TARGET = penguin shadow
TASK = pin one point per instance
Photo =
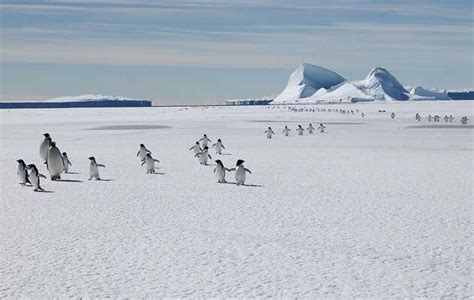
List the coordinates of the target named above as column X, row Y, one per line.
column 68, row 180
column 225, row 154
column 104, row 180
column 157, row 173
column 44, row 191
column 246, row 185
column 73, row 173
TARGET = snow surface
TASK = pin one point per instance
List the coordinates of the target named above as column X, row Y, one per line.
column 373, row 208
column 306, row 80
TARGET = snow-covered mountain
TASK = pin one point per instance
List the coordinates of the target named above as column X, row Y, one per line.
column 306, row 80
column 309, row 83
column 90, row 97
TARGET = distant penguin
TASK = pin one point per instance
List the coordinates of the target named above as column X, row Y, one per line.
column 204, row 156
column 204, row 140
column 66, row 163
column 150, row 163
column 310, row 128
column 300, row 130
column 142, row 152
column 54, row 162
column 94, row 168
column 196, row 148
column 269, row 132
column 286, row 131
column 35, row 178
column 321, row 128
column 44, row 146
column 219, row 170
column 22, row 172
column 240, row 172
column 219, row 146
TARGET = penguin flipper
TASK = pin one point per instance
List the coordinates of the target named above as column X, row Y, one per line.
column 223, row 147
column 69, row 162
column 101, row 165
column 143, row 162
column 231, row 170
column 248, row 170
column 156, row 160
column 41, row 175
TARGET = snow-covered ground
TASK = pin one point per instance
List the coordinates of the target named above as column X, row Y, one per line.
column 375, row 207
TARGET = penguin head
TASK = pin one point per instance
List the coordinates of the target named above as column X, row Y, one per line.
column 219, row 140
column 53, row 144
column 46, row 135
column 197, row 143
column 219, row 163
column 239, row 162
column 31, row 167
column 64, row 153
column 92, row 158
column 21, row 162
column 49, row 139
column 205, row 135
column 269, row 127
column 142, row 146
column 205, row 148
column 148, row 155
column 299, row 126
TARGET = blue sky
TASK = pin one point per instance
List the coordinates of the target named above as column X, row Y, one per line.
column 204, row 51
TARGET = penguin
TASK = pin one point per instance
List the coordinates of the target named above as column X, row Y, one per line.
column 44, row 146
column 142, row 152
column 286, row 131
column 150, row 163
column 54, row 162
column 269, row 133
column 310, row 128
column 66, row 163
column 300, row 130
column 35, row 178
column 22, row 172
column 204, row 141
column 219, row 170
column 94, row 168
column 321, row 128
column 219, row 146
column 240, row 172
column 204, row 156
column 196, row 148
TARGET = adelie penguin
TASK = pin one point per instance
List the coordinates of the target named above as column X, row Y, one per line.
column 219, row 170
column 196, row 148
column 240, row 172
column 66, row 163
column 300, row 130
column 286, row 131
column 310, row 128
column 150, row 163
column 204, row 156
column 204, row 140
column 321, row 128
column 219, row 146
column 44, row 146
column 142, row 152
column 35, row 178
column 54, row 162
column 94, row 168
column 269, row 132
column 22, row 172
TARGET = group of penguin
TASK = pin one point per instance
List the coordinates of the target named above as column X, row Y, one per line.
column 56, row 164
column 286, row 131
column 201, row 151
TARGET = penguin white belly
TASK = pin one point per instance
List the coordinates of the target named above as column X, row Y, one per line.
column 22, row 174
column 310, row 131
column 286, row 133
column 142, row 154
column 220, row 174
column 240, row 175
column 44, row 150
column 218, row 149
column 55, row 163
column 150, row 166
column 94, row 171
column 197, row 150
column 269, row 135
column 204, row 143
column 65, row 165
column 203, row 158
column 34, row 178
